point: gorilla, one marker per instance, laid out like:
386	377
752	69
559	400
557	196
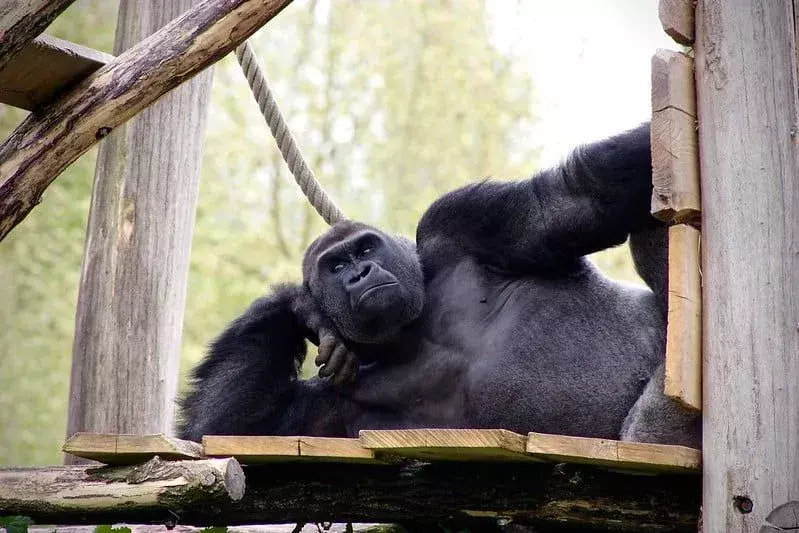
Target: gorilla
494	318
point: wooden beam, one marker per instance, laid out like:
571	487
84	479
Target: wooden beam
42	146
543	495
448	444
116	449
683	381
132	292
675	164
144	491
22	21
256	450
746	72
677	19
46	68
634	456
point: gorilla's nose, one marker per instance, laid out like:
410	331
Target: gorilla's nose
362	271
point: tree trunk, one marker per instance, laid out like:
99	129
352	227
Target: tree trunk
126	352
747	102
471	495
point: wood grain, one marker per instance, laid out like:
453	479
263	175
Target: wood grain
23	20
683	380
46	68
677	19
51	138
115	449
132	293
143	490
448	444
675	165
262	449
747	101
652	458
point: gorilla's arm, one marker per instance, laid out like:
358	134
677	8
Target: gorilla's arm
592	201
248	383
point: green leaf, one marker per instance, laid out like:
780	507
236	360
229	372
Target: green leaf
16	524
214	529
109	529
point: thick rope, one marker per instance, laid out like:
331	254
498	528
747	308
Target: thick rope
302	173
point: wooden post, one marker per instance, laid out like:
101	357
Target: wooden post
746	83
126	352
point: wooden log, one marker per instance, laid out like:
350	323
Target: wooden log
677	19
21	21
675	164
448	444
114	449
46	68
50	139
544	495
746	74
144	491
256	450
683	381
634	456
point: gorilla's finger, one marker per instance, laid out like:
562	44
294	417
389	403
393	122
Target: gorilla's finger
334	363
327	344
347	374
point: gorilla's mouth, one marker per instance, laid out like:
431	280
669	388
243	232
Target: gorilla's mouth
370	290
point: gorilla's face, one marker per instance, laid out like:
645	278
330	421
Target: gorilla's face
368	283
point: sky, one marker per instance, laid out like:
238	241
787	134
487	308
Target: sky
589	60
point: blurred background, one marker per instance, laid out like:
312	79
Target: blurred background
393	103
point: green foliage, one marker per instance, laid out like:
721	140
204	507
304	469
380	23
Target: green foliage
214	529
111	529
16	524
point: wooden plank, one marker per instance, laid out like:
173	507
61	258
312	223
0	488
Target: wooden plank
683	381
263	449
132	292
448	444
747	91
637	456
22	21
675	163
112	95
677	19
116	449
46	68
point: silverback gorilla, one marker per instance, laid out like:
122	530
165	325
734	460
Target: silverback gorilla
493	319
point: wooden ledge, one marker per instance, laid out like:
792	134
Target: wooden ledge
44	69
448	444
258	450
129	449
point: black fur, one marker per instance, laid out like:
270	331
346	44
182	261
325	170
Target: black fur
499	321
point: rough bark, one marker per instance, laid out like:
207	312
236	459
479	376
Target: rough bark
21	21
545	495
51	138
747	102
58	495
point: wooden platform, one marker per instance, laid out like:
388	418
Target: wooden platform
44	69
384	446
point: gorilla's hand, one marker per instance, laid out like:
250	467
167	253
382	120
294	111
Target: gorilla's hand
335	359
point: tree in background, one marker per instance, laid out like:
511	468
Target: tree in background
393	103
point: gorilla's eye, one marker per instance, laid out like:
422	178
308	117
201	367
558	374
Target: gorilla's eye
366	250
337	267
